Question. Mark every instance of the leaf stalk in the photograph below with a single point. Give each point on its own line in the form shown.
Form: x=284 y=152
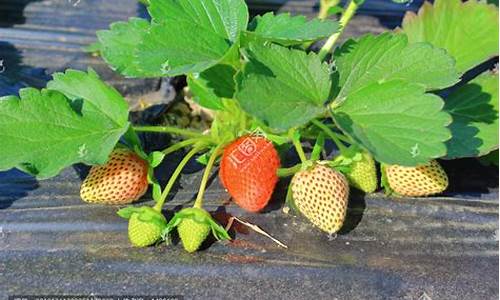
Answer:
x=169 y=129
x=183 y=144
x=334 y=136
x=296 y=143
x=325 y=6
x=349 y=12
x=285 y=172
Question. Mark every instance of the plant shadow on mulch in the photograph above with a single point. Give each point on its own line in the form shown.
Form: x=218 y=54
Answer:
x=14 y=12
x=12 y=189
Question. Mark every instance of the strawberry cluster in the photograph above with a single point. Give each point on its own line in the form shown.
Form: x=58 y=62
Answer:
x=250 y=170
x=398 y=99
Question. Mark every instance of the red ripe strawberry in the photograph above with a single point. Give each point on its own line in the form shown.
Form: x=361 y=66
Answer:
x=248 y=171
x=123 y=179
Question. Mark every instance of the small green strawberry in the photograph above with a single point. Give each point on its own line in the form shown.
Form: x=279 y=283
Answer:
x=361 y=172
x=194 y=225
x=145 y=225
x=193 y=233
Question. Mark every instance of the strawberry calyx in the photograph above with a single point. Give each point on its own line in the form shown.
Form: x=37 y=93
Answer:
x=145 y=214
x=289 y=200
x=145 y=225
x=154 y=159
x=359 y=168
x=384 y=181
x=229 y=123
x=349 y=156
x=200 y=216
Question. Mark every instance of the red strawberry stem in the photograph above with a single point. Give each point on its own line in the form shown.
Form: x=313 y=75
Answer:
x=158 y=206
x=334 y=136
x=169 y=129
x=211 y=161
x=292 y=134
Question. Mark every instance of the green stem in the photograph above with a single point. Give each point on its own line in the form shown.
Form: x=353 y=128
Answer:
x=334 y=136
x=181 y=144
x=318 y=147
x=158 y=206
x=296 y=143
x=285 y=172
x=199 y=198
x=325 y=6
x=340 y=136
x=169 y=129
x=344 y=20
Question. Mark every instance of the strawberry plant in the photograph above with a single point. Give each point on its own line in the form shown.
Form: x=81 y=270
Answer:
x=397 y=98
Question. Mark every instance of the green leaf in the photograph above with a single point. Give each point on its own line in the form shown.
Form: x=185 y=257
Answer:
x=210 y=86
x=468 y=31
x=155 y=158
x=226 y=18
x=132 y=140
x=190 y=36
x=89 y=87
x=289 y=200
x=335 y=10
x=156 y=190
x=396 y=121
x=283 y=87
x=163 y=53
x=203 y=159
x=491 y=159
x=474 y=108
x=389 y=56
x=217 y=230
x=118 y=45
x=43 y=132
x=287 y=30
x=94 y=48
x=384 y=181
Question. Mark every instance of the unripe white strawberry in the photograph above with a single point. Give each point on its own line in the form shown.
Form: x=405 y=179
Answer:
x=321 y=195
x=123 y=179
x=417 y=181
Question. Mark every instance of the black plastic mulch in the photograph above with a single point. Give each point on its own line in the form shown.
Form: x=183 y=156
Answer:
x=52 y=243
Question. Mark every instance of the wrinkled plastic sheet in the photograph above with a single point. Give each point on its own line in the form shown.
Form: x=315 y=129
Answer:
x=53 y=243
x=444 y=247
